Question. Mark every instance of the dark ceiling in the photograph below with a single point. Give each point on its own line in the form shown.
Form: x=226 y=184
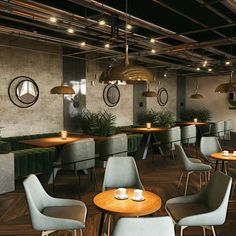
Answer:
x=186 y=32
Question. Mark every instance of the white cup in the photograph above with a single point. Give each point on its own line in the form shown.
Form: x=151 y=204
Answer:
x=138 y=193
x=120 y=192
x=234 y=153
x=225 y=153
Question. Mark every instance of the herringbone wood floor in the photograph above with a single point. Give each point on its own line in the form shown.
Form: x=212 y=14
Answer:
x=160 y=177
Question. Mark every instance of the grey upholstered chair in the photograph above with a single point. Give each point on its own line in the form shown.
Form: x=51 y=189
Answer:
x=115 y=145
x=77 y=156
x=167 y=139
x=206 y=209
x=144 y=226
x=209 y=145
x=189 y=135
x=227 y=129
x=189 y=165
x=49 y=214
x=121 y=172
x=217 y=129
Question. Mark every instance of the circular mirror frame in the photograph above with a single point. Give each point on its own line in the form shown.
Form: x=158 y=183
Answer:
x=162 y=101
x=107 y=93
x=14 y=96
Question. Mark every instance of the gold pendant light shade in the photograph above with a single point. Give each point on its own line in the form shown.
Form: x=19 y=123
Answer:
x=227 y=87
x=62 y=90
x=131 y=74
x=149 y=94
x=196 y=96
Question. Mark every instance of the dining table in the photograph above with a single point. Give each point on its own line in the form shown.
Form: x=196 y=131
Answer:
x=107 y=203
x=220 y=156
x=148 y=138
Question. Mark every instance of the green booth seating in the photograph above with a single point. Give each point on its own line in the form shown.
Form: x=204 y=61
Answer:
x=29 y=159
x=5 y=147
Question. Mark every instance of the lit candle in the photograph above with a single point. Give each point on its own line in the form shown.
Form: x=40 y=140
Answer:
x=148 y=125
x=195 y=120
x=63 y=134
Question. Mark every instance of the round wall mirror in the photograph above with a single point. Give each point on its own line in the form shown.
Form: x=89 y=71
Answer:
x=162 y=96
x=111 y=95
x=23 y=91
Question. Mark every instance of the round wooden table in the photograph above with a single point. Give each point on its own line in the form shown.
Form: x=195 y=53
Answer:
x=108 y=204
x=218 y=156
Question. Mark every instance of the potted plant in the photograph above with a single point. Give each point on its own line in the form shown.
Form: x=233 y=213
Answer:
x=97 y=123
x=149 y=116
x=166 y=119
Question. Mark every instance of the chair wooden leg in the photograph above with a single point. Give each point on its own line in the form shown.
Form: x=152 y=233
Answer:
x=95 y=179
x=74 y=232
x=180 y=179
x=182 y=230
x=204 y=231
x=186 y=184
x=200 y=180
x=213 y=230
x=46 y=233
x=81 y=232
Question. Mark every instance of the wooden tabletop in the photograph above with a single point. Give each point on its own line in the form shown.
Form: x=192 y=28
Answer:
x=192 y=123
x=145 y=130
x=219 y=156
x=107 y=203
x=57 y=141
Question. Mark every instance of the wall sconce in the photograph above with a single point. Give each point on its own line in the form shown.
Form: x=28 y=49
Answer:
x=64 y=134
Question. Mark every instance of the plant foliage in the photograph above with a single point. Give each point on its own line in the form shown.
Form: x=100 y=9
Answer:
x=190 y=114
x=166 y=119
x=100 y=123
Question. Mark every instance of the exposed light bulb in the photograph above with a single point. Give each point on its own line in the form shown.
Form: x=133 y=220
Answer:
x=70 y=30
x=82 y=44
x=165 y=75
x=153 y=51
x=128 y=26
x=53 y=19
x=102 y=22
x=198 y=68
x=152 y=40
x=227 y=63
x=107 y=45
x=209 y=69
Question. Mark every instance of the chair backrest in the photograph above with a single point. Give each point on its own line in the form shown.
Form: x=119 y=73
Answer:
x=144 y=226
x=121 y=172
x=227 y=126
x=217 y=129
x=115 y=145
x=209 y=145
x=181 y=157
x=232 y=139
x=188 y=134
x=216 y=195
x=169 y=137
x=79 y=152
x=36 y=198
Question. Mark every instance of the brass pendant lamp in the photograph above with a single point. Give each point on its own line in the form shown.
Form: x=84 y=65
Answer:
x=196 y=95
x=62 y=89
x=149 y=93
x=227 y=87
x=126 y=73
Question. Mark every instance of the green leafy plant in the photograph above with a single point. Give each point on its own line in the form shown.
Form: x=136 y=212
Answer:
x=190 y=114
x=166 y=119
x=148 y=116
x=100 y=123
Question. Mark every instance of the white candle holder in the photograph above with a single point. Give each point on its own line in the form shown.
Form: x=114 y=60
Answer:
x=149 y=125
x=64 y=134
x=195 y=120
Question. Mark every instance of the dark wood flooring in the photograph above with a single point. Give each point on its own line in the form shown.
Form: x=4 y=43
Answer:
x=160 y=177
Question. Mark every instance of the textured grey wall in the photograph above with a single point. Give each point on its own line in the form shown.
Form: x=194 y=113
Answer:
x=215 y=102
x=94 y=95
x=42 y=63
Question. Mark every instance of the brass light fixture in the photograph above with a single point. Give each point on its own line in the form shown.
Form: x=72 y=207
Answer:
x=196 y=95
x=130 y=74
x=62 y=89
x=149 y=93
x=227 y=87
